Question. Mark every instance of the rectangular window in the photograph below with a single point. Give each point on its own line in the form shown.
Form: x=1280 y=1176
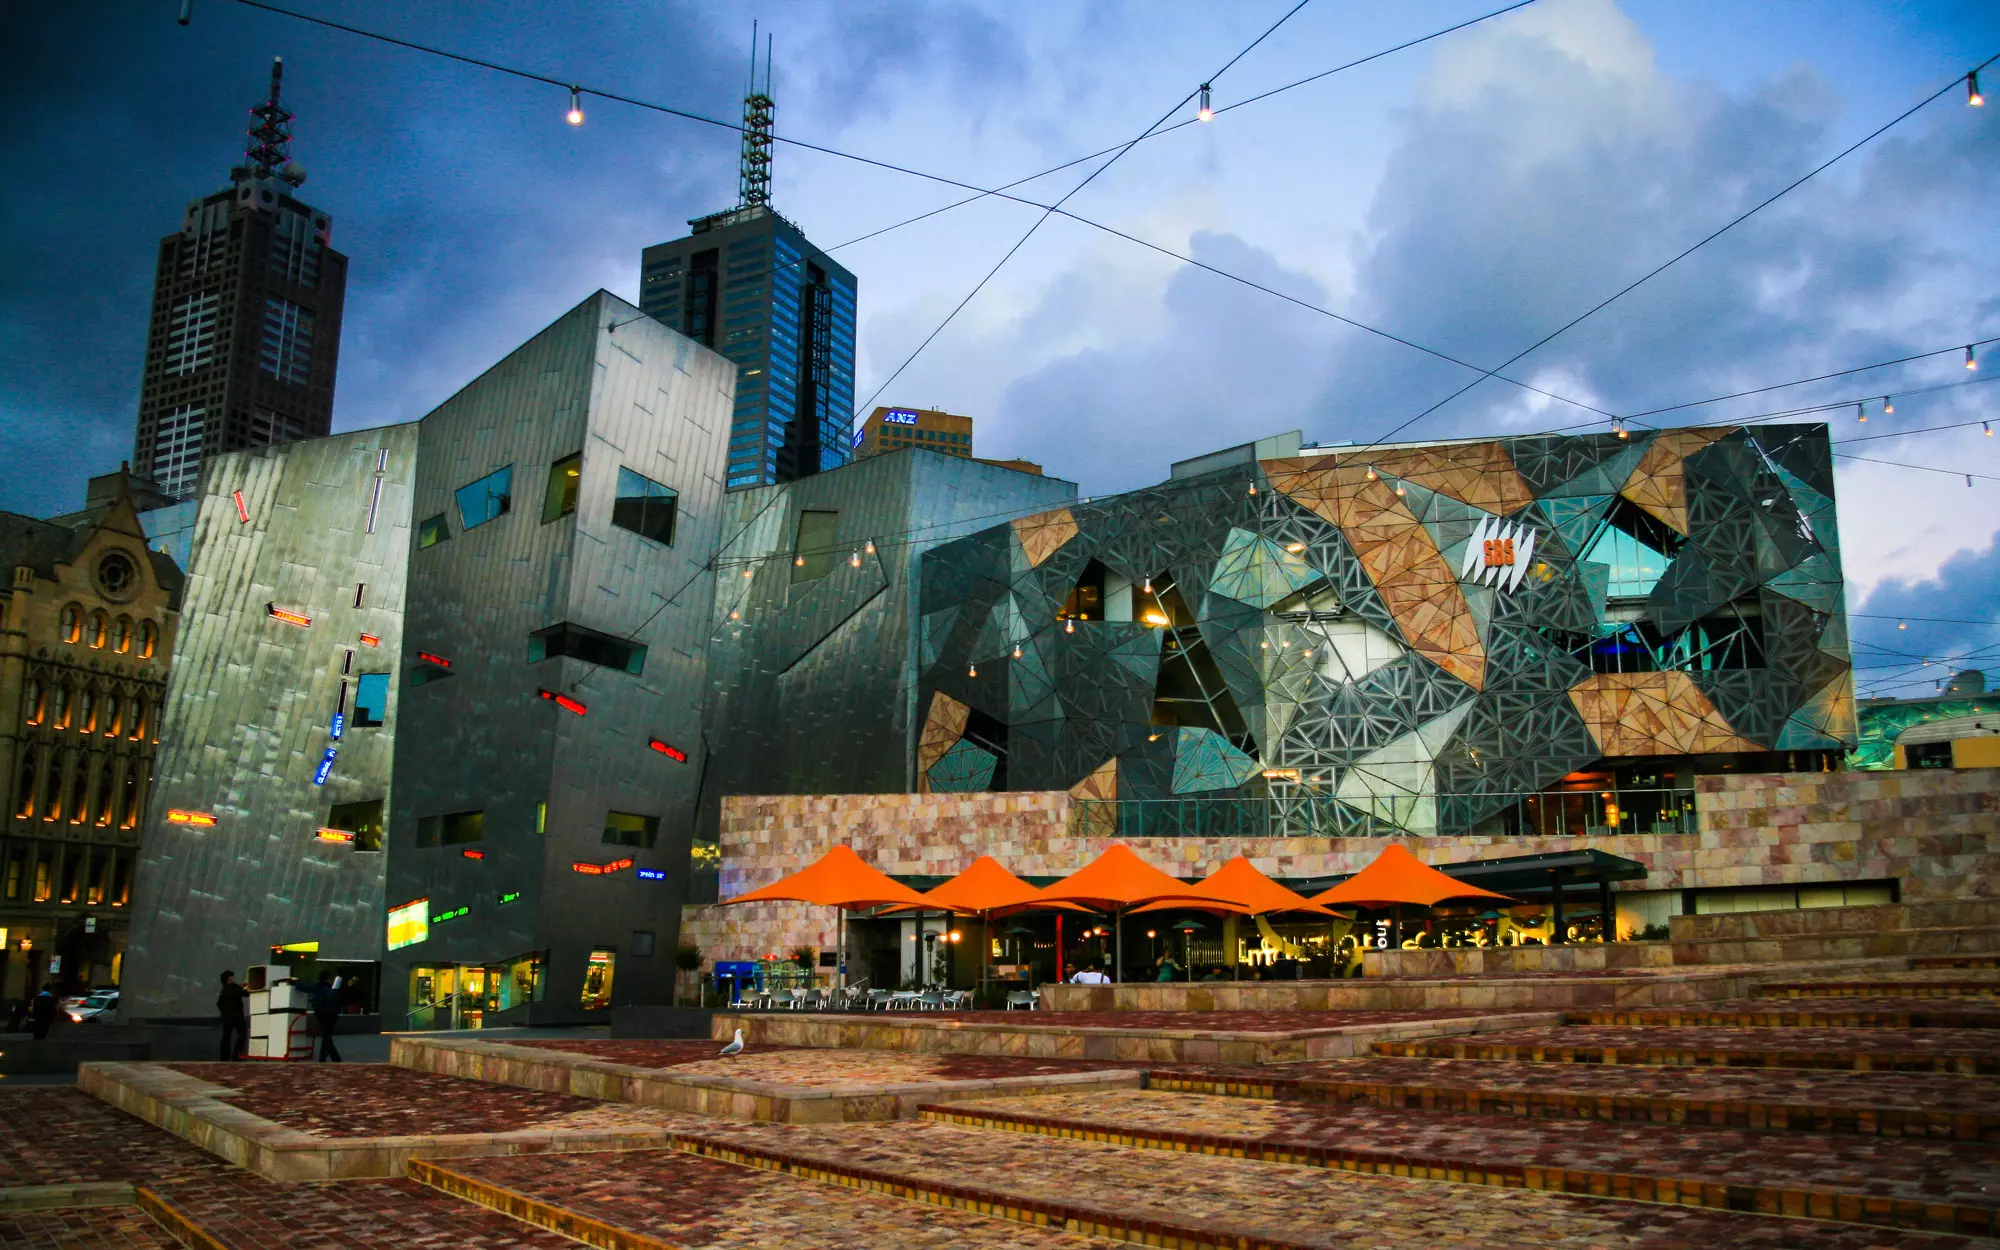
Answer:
x=451 y=830
x=642 y=943
x=597 y=978
x=565 y=476
x=1928 y=755
x=588 y=645
x=363 y=820
x=286 y=350
x=645 y=507
x=487 y=499
x=431 y=531
x=371 y=700
x=629 y=829
x=191 y=333
x=812 y=545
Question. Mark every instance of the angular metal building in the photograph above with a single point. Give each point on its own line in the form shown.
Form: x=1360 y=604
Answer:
x=568 y=504
x=813 y=657
x=265 y=822
x=1538 y=634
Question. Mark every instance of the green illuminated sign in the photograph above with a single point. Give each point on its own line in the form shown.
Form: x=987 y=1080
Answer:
x=511 y=896
x=443 y=916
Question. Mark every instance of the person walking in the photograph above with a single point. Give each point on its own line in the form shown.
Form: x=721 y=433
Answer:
x=232 y=1004
x=325 y=998
x=42 y=1015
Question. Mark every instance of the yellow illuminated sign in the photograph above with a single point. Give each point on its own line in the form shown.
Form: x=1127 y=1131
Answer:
x=409 y=924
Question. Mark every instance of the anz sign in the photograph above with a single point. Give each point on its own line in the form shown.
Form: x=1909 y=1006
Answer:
x=898 y=416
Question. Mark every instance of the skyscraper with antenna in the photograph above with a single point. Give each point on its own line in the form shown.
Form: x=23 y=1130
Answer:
x=748 y=283
x=247 y=301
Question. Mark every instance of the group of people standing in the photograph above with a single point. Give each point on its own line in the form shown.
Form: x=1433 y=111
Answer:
x=233 y=1005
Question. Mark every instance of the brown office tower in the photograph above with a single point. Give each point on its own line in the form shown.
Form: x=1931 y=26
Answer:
x=246 y=317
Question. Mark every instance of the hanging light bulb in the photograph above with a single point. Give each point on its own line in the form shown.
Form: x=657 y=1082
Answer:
x=1986 y=428
x=1017 y=650
x=575 y=115
x=1618 y=428
x=1399 y=488
x=1207 y=114
x=869 y=546
x=1968 y=481
x=1371 y=472
x=1972 y=96
x=734 y=615
x=1069 y=627
x=749 y=573
x=1253 y=488
x=1860 y=414
x=1902 y=624
x=798 y=562
x=854 y=561
x=1971 y=361
x=1888 y=406
x=1149 y=585
x=972 y=670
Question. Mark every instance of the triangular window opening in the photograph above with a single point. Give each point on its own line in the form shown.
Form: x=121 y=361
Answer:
x=1086 y=598
x=1190 y=691
x=1636 y=546
x=989 y=733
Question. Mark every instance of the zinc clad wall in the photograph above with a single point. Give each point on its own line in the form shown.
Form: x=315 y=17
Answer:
x=248 y=718
x=483 y=740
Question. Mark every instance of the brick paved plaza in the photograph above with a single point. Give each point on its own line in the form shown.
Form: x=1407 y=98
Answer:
x=1786 y=1119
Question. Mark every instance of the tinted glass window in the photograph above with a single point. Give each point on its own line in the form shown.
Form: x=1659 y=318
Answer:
x=565 y=475
x=371 y=699
x=630 y=829
x=431 y=531
x=363 y=820
x=487 y=499
x=812 y=545
x=588 y=645
x=451 y=829
x=645 y=507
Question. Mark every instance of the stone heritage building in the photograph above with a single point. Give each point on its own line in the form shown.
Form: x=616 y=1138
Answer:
x=87 y=626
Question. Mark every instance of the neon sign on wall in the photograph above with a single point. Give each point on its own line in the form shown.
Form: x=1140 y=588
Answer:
x=899 y=416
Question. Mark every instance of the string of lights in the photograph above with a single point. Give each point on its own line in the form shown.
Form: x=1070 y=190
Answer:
x=1822 y=377
x=1971 y=78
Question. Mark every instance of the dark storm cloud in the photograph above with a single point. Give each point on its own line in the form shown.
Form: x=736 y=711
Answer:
x=1890 y=660
x=884 y=57
x=471 y=214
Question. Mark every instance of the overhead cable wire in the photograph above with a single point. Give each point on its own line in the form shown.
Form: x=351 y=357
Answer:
x=1841 y=373
x=1702 y=242
x=1052 y=209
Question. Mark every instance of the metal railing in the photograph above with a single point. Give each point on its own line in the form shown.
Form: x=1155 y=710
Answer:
x=1545 y=813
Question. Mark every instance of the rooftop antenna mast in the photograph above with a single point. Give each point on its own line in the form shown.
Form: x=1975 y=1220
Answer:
x=754 y=182
x=270 y=150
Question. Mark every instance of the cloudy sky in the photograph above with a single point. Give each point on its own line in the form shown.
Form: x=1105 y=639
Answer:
x=1470 y=195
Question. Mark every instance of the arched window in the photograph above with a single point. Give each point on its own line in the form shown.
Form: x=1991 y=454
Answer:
x=24 y=785
x=105 y=778
x=114 y=716
x=86 y=712
x=32 y=707
x=52 y=795
x=59 y=718
x=128 y=797
x=149 y=639
x=72 y=623
x=79 y=791
x=121 y=635
x=100 y=628
x=142 y=715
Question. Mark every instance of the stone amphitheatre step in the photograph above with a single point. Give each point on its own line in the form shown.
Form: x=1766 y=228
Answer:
x=1888 y=1104
x=1966 y=1051
x=1936 y=1185
x=668 y=1199
x=1888 y=1012
x=1931 y=983
x=1198 y=1199
x=1955 y=961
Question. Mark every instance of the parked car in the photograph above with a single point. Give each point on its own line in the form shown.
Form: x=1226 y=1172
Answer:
x=99 y=1005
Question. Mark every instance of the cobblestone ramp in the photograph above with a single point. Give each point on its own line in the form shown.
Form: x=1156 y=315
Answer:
x=1964 y=1051
x=1937 y=1185
x=1132 y=1194
x=1887 y=1104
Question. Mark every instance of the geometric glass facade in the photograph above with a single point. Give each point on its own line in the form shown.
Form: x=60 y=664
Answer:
x=1408 y=639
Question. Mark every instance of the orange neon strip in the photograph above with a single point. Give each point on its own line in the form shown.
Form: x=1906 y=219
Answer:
x=370 y=640
x=178 y=817
x=334 y=835
x=242 y=513
x=289 y=617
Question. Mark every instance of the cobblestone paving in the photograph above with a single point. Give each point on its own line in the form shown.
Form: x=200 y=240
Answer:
x=1920 y=1049
x=1200 y=1021
x=1303 y=1205
x=642 y=1054
x=1807 y=1012
x=691 y=1201
x=381 y=1100
x=59 y=1135
x=84 y=1228
x=831 y=1069
x=1796 y=1086
x=1965 y=1173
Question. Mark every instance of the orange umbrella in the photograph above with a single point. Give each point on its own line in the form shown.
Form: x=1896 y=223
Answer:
x=1118 y=880
x=1239 y=879
x=1398 y=877
x=986 y=889
x=841 y=879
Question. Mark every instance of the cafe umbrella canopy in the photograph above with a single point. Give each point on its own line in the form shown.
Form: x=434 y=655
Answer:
x=1398 y=879
x=986 y=889
x=1118 y=881
x=840 y=879
x=1239 y=879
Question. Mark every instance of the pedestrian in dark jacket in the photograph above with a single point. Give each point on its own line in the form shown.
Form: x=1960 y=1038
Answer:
x=325 y=998
x=44 y=1013
x=233 y=1006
